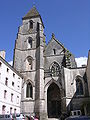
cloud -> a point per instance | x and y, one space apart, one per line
81 61
11 63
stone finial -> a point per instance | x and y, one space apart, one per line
2 54
53 35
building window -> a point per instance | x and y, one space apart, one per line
3 109
17 99
29 42
55 69
31 24
0 64
15 111
7 70
5 94
54 51
79 87
13 84
11 97
13 75
18 85
10 110
29 90
6 82
37 26
29 63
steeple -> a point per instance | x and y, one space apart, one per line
32 13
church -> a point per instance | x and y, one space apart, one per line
52 82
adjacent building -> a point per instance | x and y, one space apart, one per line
10 87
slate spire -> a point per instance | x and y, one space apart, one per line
32 13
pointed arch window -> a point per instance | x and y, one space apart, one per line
29 63
29 91
54 51
79 87
55 69
31 24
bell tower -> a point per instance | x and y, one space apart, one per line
29 61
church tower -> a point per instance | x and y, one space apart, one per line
29 61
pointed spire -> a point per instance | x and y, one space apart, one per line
53 35
32 13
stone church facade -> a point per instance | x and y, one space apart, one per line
52 83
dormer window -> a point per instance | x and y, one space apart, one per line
31 24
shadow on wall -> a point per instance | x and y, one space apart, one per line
81 98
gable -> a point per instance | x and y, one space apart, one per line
54 47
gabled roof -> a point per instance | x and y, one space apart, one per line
53 38
33 13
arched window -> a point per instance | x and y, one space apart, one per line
54 51
31 24
37 26
79 87
55 69
29 63
29 91
29 42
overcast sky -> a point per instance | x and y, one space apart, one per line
68 19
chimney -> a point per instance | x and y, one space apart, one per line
2 54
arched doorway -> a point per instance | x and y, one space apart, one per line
53 101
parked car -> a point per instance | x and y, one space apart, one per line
18 116
5 117
78 118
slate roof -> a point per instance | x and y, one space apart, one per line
32 13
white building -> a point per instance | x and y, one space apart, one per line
10 87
